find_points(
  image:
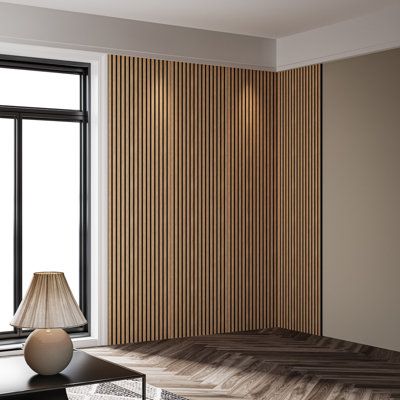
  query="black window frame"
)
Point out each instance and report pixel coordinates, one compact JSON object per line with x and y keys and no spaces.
{"x":80,"y":116}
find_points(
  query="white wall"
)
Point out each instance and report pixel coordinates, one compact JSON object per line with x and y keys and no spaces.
{"x":361,"y":199}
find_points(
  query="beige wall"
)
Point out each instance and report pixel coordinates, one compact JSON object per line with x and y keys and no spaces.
{"x":361,"y":199}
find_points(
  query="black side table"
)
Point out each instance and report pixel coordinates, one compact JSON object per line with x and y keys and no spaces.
{"x":19,"y":382}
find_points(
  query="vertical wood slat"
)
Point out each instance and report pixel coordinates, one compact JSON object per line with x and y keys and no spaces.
{"x":297,"y":149}
{"x":214,"y":199}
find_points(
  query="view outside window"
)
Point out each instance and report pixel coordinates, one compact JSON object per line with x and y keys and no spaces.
{"x":27,"y":88}
{"x":50,"y":201}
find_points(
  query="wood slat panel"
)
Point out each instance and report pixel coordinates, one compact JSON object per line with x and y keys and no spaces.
{"x":298,"y":232}
{"x":214,"y":206}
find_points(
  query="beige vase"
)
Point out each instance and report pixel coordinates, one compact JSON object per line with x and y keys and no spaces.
{"x":48,"y":351}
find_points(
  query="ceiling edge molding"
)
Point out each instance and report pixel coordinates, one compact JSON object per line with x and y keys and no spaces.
{"x":36,"y":26}
{"x":6,"y":40}
{"x":63,"y":29}
{"x":340,"y":56}
{"x":372,"y":33}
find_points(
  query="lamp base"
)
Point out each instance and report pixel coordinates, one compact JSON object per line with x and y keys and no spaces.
{"x":48,"y":351}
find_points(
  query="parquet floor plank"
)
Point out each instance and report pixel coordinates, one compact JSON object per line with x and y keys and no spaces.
{"x":271,"y":364}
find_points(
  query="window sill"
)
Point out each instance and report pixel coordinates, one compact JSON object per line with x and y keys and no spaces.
{"x":79,"y":343}
{"x":10,"y":349}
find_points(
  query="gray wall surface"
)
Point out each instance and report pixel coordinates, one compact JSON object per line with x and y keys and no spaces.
{"x":361,"y":199}
{"x":41,"y":26}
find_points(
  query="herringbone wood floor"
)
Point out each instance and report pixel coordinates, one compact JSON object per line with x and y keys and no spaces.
{"x":270,"y":364}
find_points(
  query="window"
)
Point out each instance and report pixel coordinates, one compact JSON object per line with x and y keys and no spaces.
{"x":44,"y":179}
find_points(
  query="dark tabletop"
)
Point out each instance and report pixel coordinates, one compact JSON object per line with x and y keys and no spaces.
{"x":17,"y":377}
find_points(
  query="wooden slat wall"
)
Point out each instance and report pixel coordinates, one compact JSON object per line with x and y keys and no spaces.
{"x":296,"y":292}
{"x":195,"y":159}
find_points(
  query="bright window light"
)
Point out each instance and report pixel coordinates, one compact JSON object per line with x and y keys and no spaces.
{"x":50,"y":205}
{"x":26,"y":88}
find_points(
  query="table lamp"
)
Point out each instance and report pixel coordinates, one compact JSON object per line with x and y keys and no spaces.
{"x":48,"y":307}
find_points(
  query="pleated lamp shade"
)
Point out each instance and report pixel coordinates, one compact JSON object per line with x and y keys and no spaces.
{"x":48,"y":304}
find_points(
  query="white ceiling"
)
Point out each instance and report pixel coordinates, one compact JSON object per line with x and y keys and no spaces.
{"x":264,"y":18}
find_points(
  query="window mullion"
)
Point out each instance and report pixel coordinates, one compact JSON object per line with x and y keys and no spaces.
{"x":18,"y":213}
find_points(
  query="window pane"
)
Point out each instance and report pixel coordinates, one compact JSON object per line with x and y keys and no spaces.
{"x":39,"y":89}
{"x":6,"y":222}
{"x":50,"y":205}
